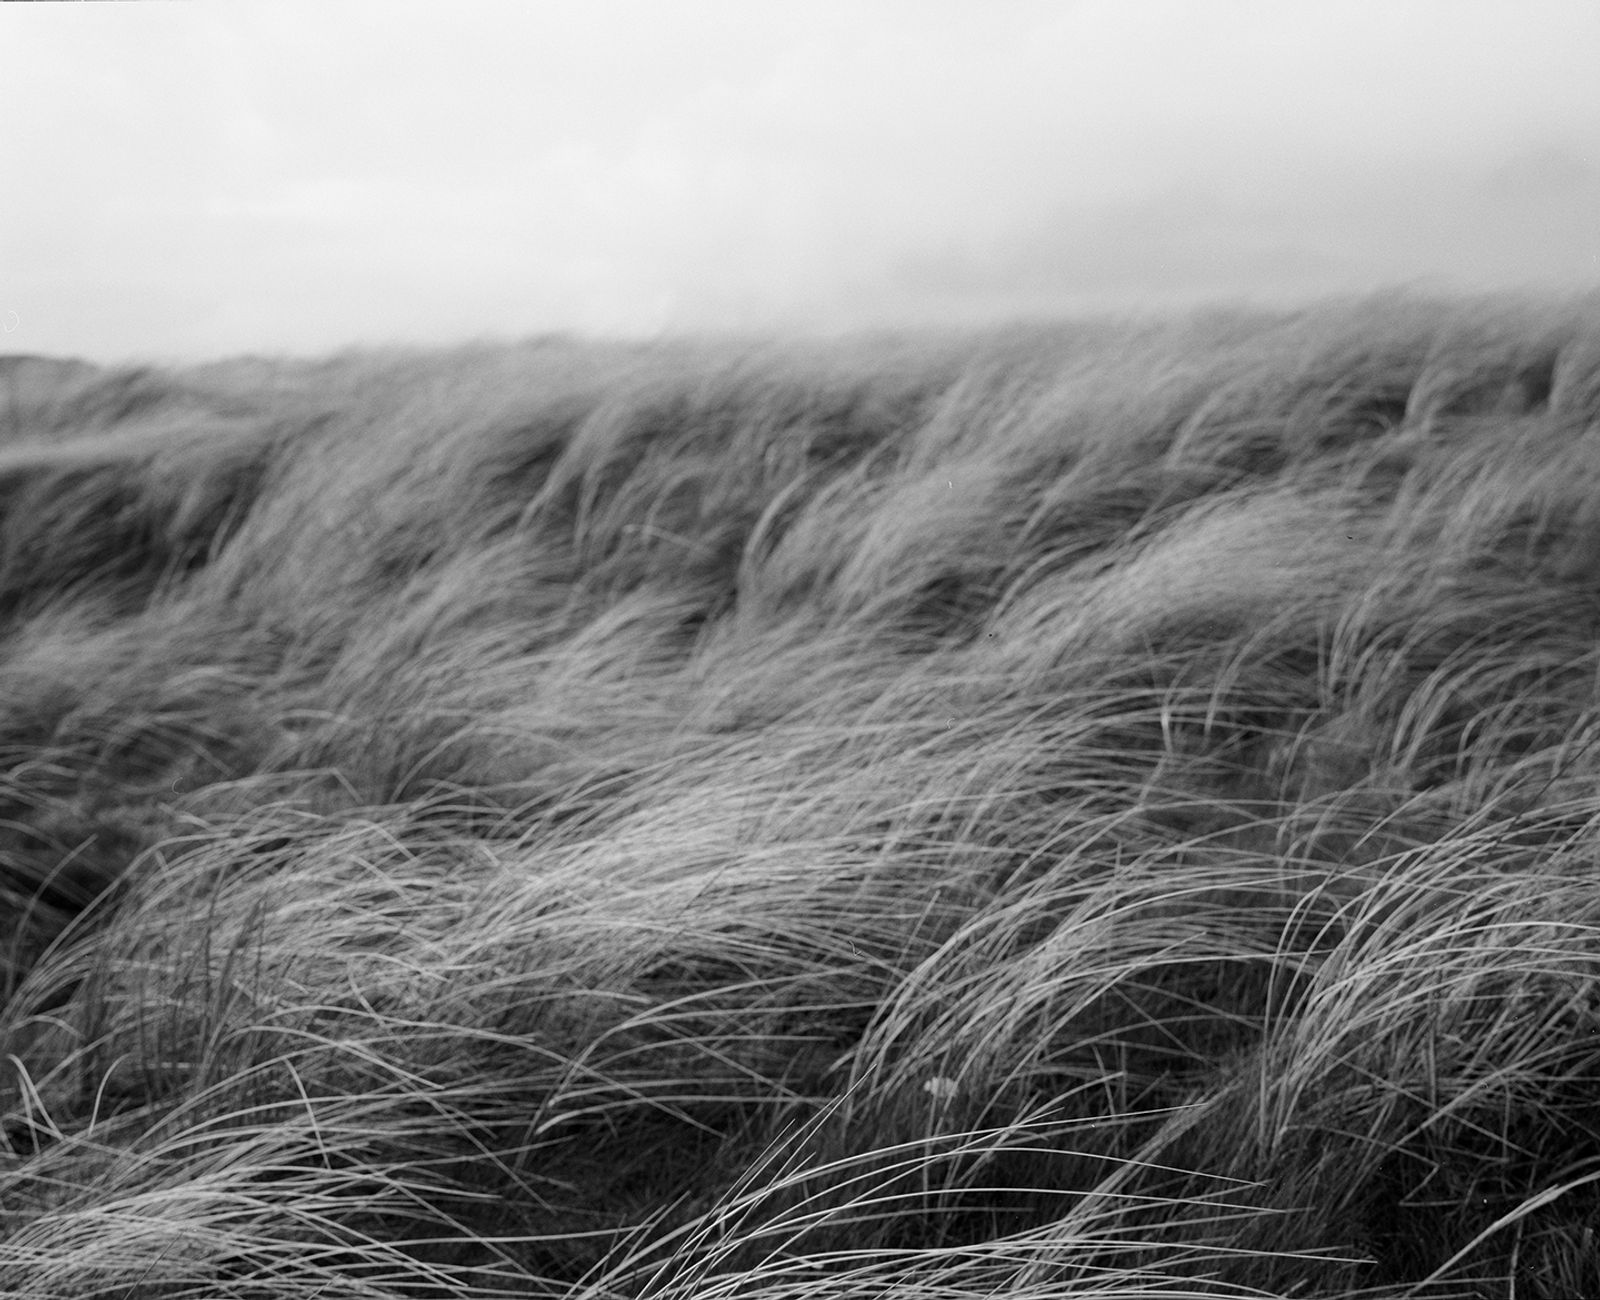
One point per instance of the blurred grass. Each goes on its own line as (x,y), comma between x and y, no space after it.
(1106,809)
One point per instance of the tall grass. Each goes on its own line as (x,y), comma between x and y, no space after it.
(1091,810)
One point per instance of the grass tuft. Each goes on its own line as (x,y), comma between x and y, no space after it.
(1084,810)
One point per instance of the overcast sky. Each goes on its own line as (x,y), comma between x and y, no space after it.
(193,180)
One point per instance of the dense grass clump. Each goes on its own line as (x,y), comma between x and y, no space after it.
(1101,810)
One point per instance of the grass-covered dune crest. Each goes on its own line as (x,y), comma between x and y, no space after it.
(1094,809)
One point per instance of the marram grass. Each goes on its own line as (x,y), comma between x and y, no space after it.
(1104,810)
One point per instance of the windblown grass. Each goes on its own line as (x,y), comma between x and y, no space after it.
(1101,810)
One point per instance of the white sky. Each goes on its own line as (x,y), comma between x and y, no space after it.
(191,180)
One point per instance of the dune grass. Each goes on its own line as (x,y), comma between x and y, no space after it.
(1096,810)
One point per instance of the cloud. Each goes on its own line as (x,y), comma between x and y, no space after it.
(628,165)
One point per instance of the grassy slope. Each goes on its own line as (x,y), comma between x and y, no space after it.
(1079,811)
